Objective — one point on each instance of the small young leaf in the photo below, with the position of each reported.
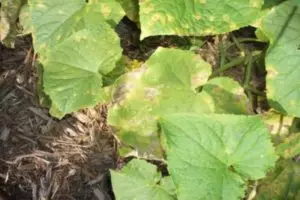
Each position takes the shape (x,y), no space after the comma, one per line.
(211,156)
(202,17)
(140,180)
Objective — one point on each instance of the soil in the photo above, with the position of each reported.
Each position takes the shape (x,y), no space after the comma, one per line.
(45,158)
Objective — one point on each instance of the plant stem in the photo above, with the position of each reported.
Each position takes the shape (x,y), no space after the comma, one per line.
(222,56)
(233,63)
(249,60)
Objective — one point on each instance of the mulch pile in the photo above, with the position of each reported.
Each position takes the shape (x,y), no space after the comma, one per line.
(42,157)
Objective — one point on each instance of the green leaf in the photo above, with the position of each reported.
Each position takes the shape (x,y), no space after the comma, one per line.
(282,183)
(55,20)
(282,26)
(225,95)
(290,146)
(131,8)
(201,17)
(211,156)
(165,84)
(74,70)
(78,47)
(140,180)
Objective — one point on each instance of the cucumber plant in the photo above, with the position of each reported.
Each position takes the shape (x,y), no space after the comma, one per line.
(173,108)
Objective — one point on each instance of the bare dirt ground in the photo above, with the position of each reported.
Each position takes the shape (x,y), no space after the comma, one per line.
(45,158)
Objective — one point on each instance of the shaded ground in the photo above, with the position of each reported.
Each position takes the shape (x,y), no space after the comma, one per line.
(40,157)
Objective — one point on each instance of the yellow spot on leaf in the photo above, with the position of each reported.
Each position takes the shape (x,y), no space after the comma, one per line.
(197,17)
(271,72)
(105,10)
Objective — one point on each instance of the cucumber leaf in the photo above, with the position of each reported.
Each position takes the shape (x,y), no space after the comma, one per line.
(211,156)
(140,180)
(131,7)
(165,84)
(282,183)
(282,26)
(77,47)
(9,13)
(202,17)
(224,95)
(290,146)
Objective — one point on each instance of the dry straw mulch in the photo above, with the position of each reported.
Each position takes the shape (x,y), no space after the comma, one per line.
(45,158)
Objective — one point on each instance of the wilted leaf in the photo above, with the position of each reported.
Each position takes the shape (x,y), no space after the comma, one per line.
(282,183)
(9,13)
(290,146)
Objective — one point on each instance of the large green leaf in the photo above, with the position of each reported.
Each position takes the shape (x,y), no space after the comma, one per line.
(282,183)
(201,17)
(78,47)
(211,156)
(165,84)
(282,26)
(140,180)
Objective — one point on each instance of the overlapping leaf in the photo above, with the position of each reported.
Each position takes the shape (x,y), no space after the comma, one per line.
(165,84)
(211,156)
(77,47)
(225,95)
(202,17)
(140,180)
(282,27)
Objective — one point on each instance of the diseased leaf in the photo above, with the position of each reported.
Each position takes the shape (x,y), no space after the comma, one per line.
(225,95)
(9,13)
(78,47)
(290,147)
(282,26)
(202,17)
(53,21)
(165,84)
(211,156)
(282,183)
(25,20)
(140,180)
(64,18)
(278,124)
